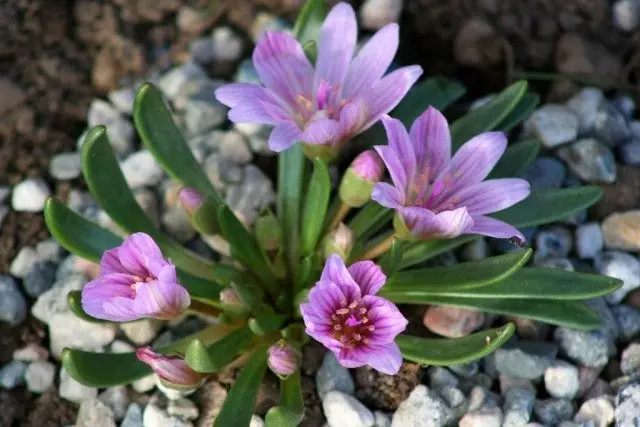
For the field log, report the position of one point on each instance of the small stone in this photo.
(452, 322)
(174, 84)
(455, 399)
(39, 279)
(545, 173)
(599, 388)
(202, 110)
(148, 202)
(249, 197)
(554, 124)
(49, 250)
(587, 348)
(480, 397)
(375, 14)
(589, 240)
(119, 129)
(4, 211)
(183, 408)
(609, 326)
(630, 361)
(258, 135)
(256, 421)
(31, 353)
(507, 383)
(554, 242)
(73, 391)
(485, 417)
(599, 410)
(628, 320)
(627, 413)
(40, 376)
(630, 152)
(585, 103)
(143, 331)
(518, 404)
(625, 104)
(247, 74)
(176, 221)
(119, 346)
(525, 359)
(332, 376)
(123, 98)
(94, 413)
(30, 195)
(12, 95)
(23, 262)
(4, 193)
(133, 416)
(588, 376)
(343, 410)
(476, 43)
(140, 169)
(144, 384)
(440, 377)
(590, 161)
(65, 166)
(557, 263)
(626, 14)
(202, 50)
(233, 147)
(381, 419)
(576, 55)
(553, 411)
(475, 251)
(13, 306)
(423, 408)
(117, 399)
(101, 112)
(12, 374)
(611, 126)
(561, 380)
(227, 45)
(622, 231)
(621, 266)
(156, 415)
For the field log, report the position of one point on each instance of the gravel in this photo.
(13, 306)
(12, 374)
(65, 166)
(561, 380)
(518, 404)
(333, 377)
(587, 348)
(553, 124)
(525, 359)
(94, 413)
(30, 195)
(627, 405)
(74, 391)
(40, 376)
(621, 266)
(343, 410)
(553, 411)
(589, 240)
(423, 408)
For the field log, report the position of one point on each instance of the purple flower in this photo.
(438, 196)
(171, 369)
(344, 314)
(327, 104)
(135, 282)
(283, 359)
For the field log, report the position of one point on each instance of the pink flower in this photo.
(171, 369)
(135, 282)
(283, 359)
(438, 196)
(344, 314)
(328, 103)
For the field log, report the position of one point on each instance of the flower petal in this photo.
(394, 165)
(98, 293)
(491, 196)
(348, 357)
(162, 300)
(337, 43)
(336, 272)
(386, 318)
(109, 263)
(431, 141)
(326, 297)
(321, 131)
(385, 358)
(425, 224)
(352, 117)
(400, 143)
(368, 276)
(257, 110)
(492, 227)
(387, 195)
(140, 255)
(236, 93)
(372, 61)
(283, 136)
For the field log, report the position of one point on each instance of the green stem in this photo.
(377, 250)
(342, 212)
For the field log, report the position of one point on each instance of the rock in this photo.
(545, 173)
(507, 383)
(375, 14)
(630, 153)
(622, 231)
(233, 147)
(13, 306)
(621, 196)
(183, 409)
(475, 250)
(628, 320)
(587, 348)
(119, 129)
(585, 104)
(381, 419)
(561, 380)
(247, 74)
(343, 410)
(383, 391)
(621, 266)
(40, 278)
(133, 416)
(4, 193)
(176, 221)
(94, 413)
(525, 359)
(123, 98)
(440, 377)
(143, 331)
(589, 240)
(148, 202)
(49, 250)
(590, 161)
(455, 399)
(554, 242)
(140, 169)
(452, 322)
(256, 421)
(476, 44)
(253, 194)
(480, 398)
(333, 377)
(423, 408)
(144, 384)
(258, 135)
(118, 346)
(575, 55)
(485, 417)
(65, 166)
(40, 376)
(202, 111)
(4, 211)
(553, 411)
(599, 388)
(227, 45)
(599, 410)
(156, 415)
(12, 374)
(23, 262)
(627, 413)
(175, 82)
(30, 195)
(626, 14)
(202, 50)
(611, 126)
(73, 391)
(117, 399)
(553, 124)
(630, 361)
(609, 326)
(518, 404)
(31, 353)
(557, 263)
(12, 95)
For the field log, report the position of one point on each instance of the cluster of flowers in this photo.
(323, 106)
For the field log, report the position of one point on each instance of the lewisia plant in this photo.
(342, 266)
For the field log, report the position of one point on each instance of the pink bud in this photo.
(368, 166)
(172, 369)
(283, 359)
(230, 296)
(190, 199)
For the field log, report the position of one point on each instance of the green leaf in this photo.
(370, 217)
(315, 207)
(309, 22)
(110, 190)
(446, 352)
(437, 92)
(238, 406)
(290, 411)
(290, 177)
(515, 161)
(266, 323)
(219, 354)
(546, 206)
(418, 252)
(521, 112)
(488, 116)
(310, 49)
(390, 261)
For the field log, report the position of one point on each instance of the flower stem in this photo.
(342, 211)
(204, 308)
(378, 249)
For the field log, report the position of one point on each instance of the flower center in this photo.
(351, 325)
(427, 194)
(327, 104)
(139, 281)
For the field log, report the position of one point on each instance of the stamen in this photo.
(363, 310)
(371, 328)
(353, 305)
(364, 320)
(342, 311)
(357, 337)
(337, 327)
(334, 317)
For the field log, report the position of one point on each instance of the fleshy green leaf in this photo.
(546, 206)
(488, 116)
(309, 22)
(390, 261)
(219, 354)
(238, 406)
(521, 112)
(315, 208)
(445, 352)
(370, 218)
(418, 252)
(266, 323)
(516, 160)
(290, 411)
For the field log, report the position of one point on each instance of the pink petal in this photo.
(109, 263)
(326, 297)
(385, 358)
(424, 224)
(394, 165)
(347, 357)
(336, 272)
(161, 300)
(386, 318)
(321, 131)
(495, 228)
(352, 117)
(492, 196)
(168, 274)
(283, 136)
(368, 276)
(235, 93)
(400, 143)
(336, 45)
(256, 110)
(372, 61)
(141, 256)
(98, 293)
(431, 141)
(387, 195)
(314, 322)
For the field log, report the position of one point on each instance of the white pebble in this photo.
(30, 195)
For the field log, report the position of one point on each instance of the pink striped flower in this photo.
(171, 369)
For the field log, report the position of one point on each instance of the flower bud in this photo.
(233, 302)
(358, 181)
(190, 199)
(268, 232)
(202, 212)
(283, 359)
(173, 371)
(339, 241)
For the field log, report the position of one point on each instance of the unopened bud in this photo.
(283, 359)
(358, 181)
(173, 371)
(190, 199)
(339, 241)
(201, 210)
(268, 232)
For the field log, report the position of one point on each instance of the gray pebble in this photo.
(626, 14)
(609, 326)
(554, 242)
(627, 412)
(545, 173)
(561, 380)
(65, 166)
(628, 320)
(49, 250)
(227, 45)
(585, 104)
(176, 221)
(525, 359)
(4, 193)
(557, 263)
(176, 83)
(619, 265)
(518, 404)
(599, 410)
(484, 417)
(123, 98)
(4, 211)
(133, 416)
(553, 411)
(12, 374)
(202, 50)
(611, 125)
(94, 413)
(455, 399)
(589, 240)
(30, 195)
(480, 397)
(246, 73)
(630, 153)
(23, 262)
(554, 124)
(40, 376)
(13, 306)
(590, 161)
(72, 390)
(140, 169)
(630, 361)
(253, 194)
(343, 410)
(202, 111)
(332, 376)
(587, 348)
(440, 377)
(423, 408)
(39, 279)
(624, 103)
(381, 419)
(117, 399)
(234, 147)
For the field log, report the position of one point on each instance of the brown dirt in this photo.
(386, 392)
